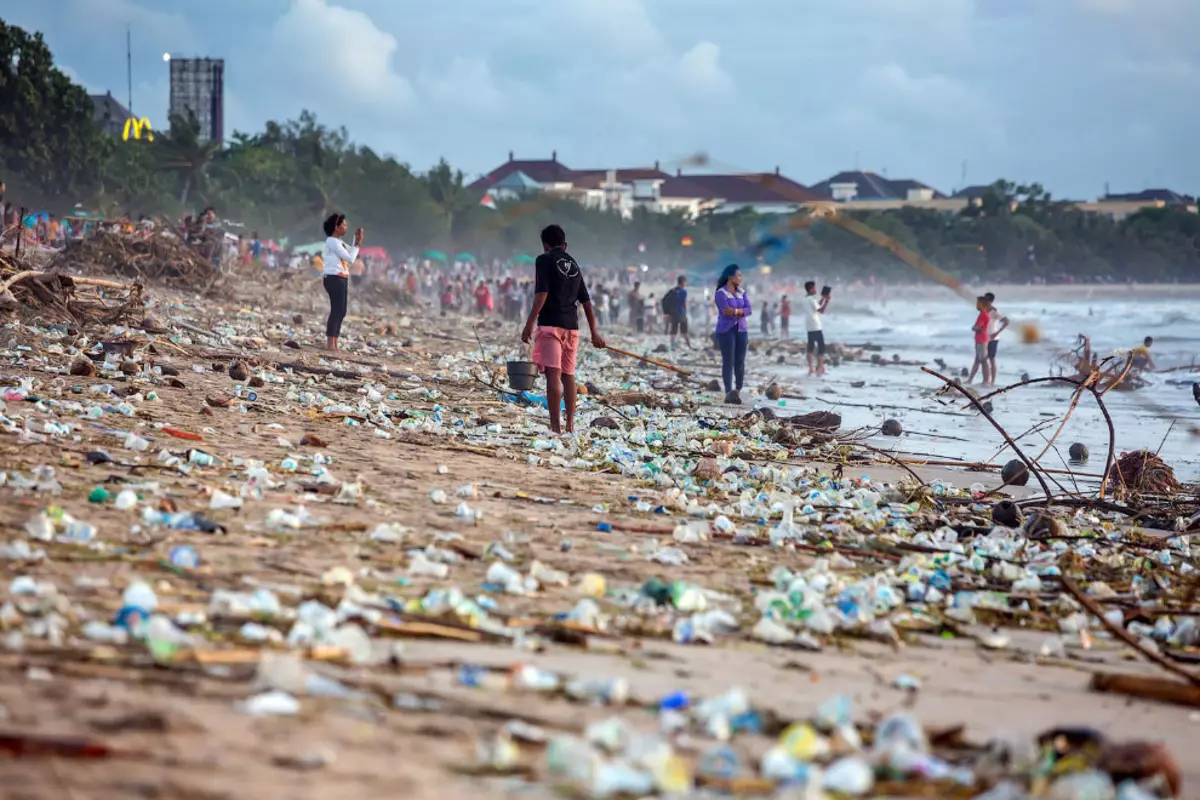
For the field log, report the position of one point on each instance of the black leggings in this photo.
(337, 288)
(733, 357)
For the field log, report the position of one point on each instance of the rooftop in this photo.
(541, 171)
(872, 186)
(1165, 196)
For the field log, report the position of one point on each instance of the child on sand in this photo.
(559, 290)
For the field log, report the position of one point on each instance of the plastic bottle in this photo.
(422, 567)
(605, 691)
(184, 556)
(526, 677)
(850, 776)
(139, 595)
(223, 500)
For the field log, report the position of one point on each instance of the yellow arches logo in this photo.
(133, 128)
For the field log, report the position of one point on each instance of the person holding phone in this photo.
(335, 273)
(814, 307)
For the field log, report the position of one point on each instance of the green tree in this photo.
(49, 145)
(182, 152)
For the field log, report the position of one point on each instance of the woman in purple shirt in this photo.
(733, 306)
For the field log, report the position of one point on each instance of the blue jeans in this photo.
(733, 357)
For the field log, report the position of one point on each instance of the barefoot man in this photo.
(558, 291)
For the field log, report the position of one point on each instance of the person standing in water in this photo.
(982, 323)
(999, 323)
(1141, 355)
(335, 271)
(732, 334)
(814, 307)
(558, 291)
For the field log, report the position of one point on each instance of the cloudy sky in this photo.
(1072, 93)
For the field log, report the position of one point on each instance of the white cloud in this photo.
(146, 21)
(467, 83)
(338, 52)
(619, 29)
(919, 85)
(934, 96)
(700, 69)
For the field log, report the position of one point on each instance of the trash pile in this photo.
(57, 296)
(147, 255)
(285, 535)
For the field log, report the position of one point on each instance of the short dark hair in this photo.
(809, 285)
(991, 298)
(1149, 340)
(681, 280)
(554, 236)
(331, 223)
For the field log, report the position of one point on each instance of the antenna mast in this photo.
(129, 64)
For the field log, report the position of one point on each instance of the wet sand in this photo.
(186, 739)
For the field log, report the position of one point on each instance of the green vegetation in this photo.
(282, 181)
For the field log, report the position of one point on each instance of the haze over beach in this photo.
(599, 398)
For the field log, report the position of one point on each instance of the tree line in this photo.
(282, 180)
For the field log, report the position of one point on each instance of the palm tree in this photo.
(448, 192)
(182, 151)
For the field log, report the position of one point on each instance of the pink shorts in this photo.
(555, 348)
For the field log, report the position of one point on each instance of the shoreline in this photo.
(447, 431)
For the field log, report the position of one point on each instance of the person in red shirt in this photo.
(483, 298)
(982, 322)
(785, 314)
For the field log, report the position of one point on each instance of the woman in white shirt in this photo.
(336, 273)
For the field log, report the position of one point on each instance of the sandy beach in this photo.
(178, 730)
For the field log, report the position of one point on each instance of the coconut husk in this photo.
(1143, 472)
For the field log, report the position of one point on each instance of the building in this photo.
(864, 185)
(108, 113)
(650, 188)
(548, 175)
(1159, 198)
(761, 192)
(1120, 206)
(863, 190)
(198, 90)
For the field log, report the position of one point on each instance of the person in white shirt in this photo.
(336, 274)
(813, 307)
(997, 325)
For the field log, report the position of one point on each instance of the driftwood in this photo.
(1143, 687)
(55, 293)
(159, 256)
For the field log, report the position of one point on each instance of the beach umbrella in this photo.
(523, 259)
(465, 257)
(375, 252)
(434, 255)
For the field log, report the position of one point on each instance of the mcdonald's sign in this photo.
(134, 126)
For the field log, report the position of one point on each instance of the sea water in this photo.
(924, 326)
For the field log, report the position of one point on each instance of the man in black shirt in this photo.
(558, 291)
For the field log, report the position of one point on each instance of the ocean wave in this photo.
(1175, 318)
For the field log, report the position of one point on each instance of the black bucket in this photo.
(522, 375)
